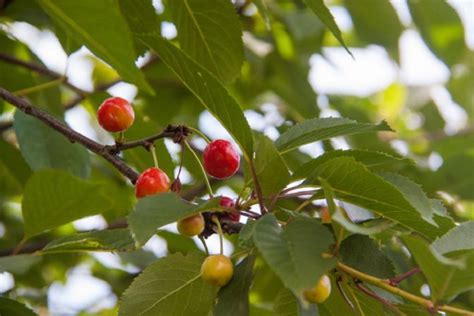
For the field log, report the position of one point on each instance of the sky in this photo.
(371, 71)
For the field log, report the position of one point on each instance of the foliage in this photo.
(381, 222)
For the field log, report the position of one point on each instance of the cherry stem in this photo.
(219, 229)
(120, 138)
(198, 132)
(208, 184)
(399, 278)
(204, 244)
(180, 163)
(18, 248)
(153, 153)
(258, 189)
(241, 253)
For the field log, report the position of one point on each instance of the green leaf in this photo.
(263, 9)
(53, 198)
(352, 182)
(177, 242)
(459, 86)
(209, 91)
(289, 80)
(379, 25)
(294, 252)
(363, 254)
(103, 240)
(286, 304)
(269, 163)
(459, 238)
(413, 193)
(373, 160)
(209, 31)
(245, 239)
(454, 177)
(171, 286)
(18, 264)
(369, 228)
(152, 212)
(100, 26)
(233, 299)
(43, 147)
(11, 158)
(318, 129)
(323, 13)
(441, 28)
(339, 216)
(447, 277)
(337, 304)
(14, 308)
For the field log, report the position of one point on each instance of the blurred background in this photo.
(412, 65)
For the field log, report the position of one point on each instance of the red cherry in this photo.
(227, 202)
(221, 160)
(151, 181)
(115, 115)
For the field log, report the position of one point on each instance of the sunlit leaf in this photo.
(171, 286)
(153, 212)
(317, 129)
(14, 308)
(295, 251)
(209, 31)
(105, 34)
(54, 198)
(43, 147)
(107, 240)
(233, 299)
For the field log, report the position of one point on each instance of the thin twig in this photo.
(374, 295)
(170, 131)
(69, 133)
(395, 281)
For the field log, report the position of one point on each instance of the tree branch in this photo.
(41, 70)
(397, 291)
(177, 132)
(69, 133)
(81, 96)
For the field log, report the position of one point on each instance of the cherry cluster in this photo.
(220, 160)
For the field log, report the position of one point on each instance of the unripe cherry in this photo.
(320, 292)
(221, 160)
(151, 181)
(192, 225)
(115, 114)
(217, 270)
(227, 202)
